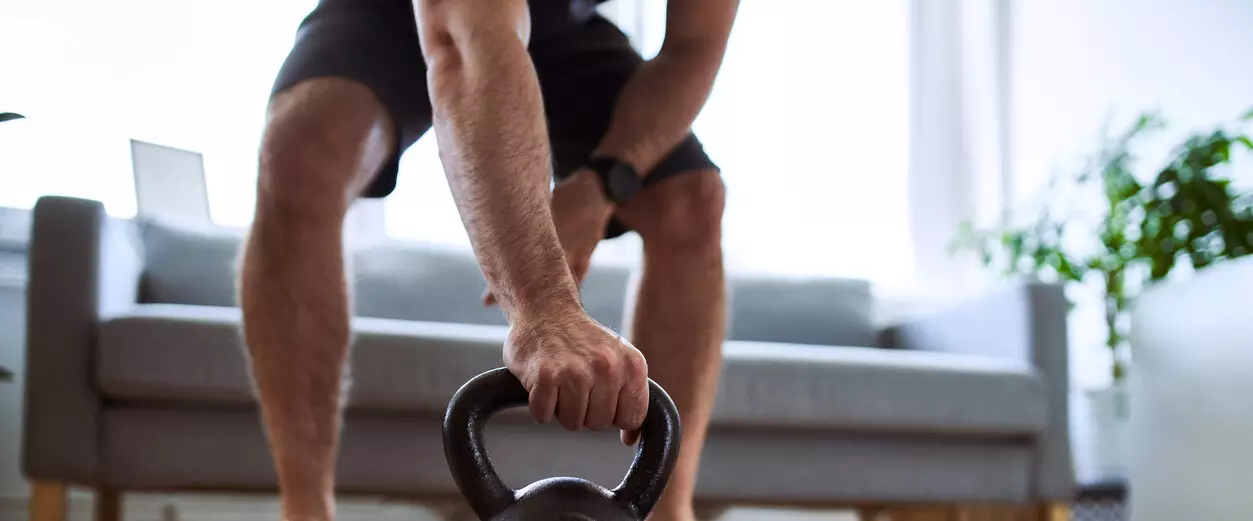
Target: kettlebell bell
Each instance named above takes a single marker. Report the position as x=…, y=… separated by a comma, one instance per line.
x=560, y=498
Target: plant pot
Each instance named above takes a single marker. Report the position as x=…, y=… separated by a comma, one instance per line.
x=1100, y=419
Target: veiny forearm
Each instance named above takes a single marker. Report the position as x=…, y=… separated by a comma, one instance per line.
x=488, y=117
x=656, y=108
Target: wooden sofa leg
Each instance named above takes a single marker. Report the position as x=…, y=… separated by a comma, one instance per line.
x=108, y=504
x=911, y=514
x=1053, y=512
x=48, y=501
x=870, y=514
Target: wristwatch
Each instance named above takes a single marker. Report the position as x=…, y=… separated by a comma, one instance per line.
x=620, y=179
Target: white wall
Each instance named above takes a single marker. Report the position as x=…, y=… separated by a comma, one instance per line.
x=1076, y=62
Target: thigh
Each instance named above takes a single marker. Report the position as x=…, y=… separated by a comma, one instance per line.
x=323, y=138
x=372, y=43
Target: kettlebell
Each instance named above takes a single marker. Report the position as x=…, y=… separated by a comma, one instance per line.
x=560, y=498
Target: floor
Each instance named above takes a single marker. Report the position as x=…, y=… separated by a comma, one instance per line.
x=152, y=507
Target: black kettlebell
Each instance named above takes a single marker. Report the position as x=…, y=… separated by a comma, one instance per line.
x=553, y=499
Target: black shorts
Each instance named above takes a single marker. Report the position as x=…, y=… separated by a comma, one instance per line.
x=582, y=60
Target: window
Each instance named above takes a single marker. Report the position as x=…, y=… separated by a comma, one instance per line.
x=89, y=76
x=809, y=120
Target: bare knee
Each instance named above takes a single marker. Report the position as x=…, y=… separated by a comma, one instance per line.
x=684, y=215
x=324, y=139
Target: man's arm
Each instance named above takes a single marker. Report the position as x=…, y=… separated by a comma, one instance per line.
x=656, y=108
x=489, y=121
x=488, y=118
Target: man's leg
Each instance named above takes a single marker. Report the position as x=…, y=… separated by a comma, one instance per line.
x=324, y=139
x=679, y=316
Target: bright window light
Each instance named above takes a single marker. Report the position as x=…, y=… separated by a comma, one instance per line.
x=192, y=74
x=809, y=120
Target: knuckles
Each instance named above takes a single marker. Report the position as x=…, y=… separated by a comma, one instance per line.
x=604, y=364
x=579, y=361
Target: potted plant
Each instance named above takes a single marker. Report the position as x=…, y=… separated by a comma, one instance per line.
x=1107, y=231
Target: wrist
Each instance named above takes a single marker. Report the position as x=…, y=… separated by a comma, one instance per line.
x=549, y=291
x=554, y=306
x=636, y=155
x=620, y=180
x=587, y=187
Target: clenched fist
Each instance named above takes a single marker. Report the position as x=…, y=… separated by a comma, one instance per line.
x=579, y=372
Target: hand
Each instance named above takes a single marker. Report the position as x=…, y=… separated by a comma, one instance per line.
x=580, y=213
x=579, y=372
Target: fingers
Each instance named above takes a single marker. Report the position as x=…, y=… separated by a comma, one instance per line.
x=613, y=391
x=580, y=374
x=603, y=404
x=543, y=396
x=633, y=398
x=573, y=400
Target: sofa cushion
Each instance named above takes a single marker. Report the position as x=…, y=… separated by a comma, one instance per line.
x=192, y=354
x=404, y=281
x=801, y=310
x=401, y=280
x=188, y=264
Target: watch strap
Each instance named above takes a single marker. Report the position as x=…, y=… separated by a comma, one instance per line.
x=604, y=166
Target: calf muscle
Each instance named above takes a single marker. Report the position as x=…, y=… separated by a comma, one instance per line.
x=324, y=140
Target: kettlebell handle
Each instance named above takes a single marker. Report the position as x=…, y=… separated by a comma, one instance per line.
x=497, y=390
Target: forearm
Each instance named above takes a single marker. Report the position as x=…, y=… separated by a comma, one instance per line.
x=488, y=118
x=657, y=106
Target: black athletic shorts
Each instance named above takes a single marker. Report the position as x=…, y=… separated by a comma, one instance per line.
x=582, y=60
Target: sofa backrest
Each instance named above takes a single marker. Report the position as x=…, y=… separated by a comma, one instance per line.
x=801, y=310
x=410, y=281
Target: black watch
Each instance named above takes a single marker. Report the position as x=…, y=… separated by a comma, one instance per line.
x=620, y=179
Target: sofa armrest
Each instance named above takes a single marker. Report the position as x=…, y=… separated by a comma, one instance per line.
x=1025, y=321
x=82, y=266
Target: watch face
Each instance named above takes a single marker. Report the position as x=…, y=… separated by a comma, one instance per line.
x=623, y=183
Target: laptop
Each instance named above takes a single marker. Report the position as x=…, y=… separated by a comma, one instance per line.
x=169, y=183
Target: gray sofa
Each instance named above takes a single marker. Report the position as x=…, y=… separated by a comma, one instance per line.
x=136, y=380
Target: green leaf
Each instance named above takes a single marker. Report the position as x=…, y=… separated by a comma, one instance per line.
x=1248, y=116
x=1244, y=140
x=9, y=116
